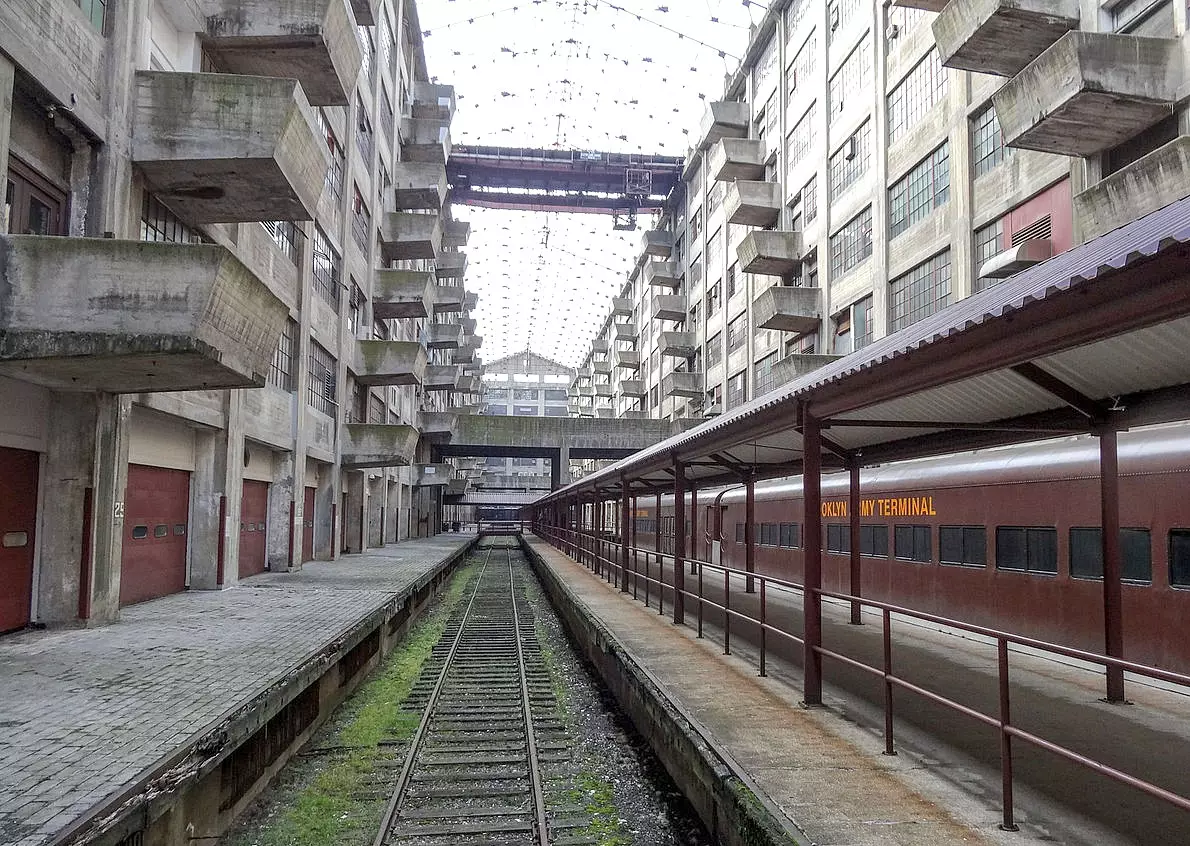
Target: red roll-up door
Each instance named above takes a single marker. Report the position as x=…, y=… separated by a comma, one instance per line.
x=18, y=514
x=156, y=522
x=254, y=507
x=308, y=526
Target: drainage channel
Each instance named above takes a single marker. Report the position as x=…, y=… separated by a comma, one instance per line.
x=496, y=737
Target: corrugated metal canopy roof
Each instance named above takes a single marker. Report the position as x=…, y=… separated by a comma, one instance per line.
x=1097, y=335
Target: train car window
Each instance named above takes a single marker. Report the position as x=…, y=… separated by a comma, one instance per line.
x=139, y=532
x=160, y=531
x=963, y=545
x=769, y=534
x=179, y=529
x=873, y=540
x=790, y=535
x=838, y=537
x=1179, y=557
x=1136, y=552
x=739, y=532
x=1032, y=549
x=913, y=543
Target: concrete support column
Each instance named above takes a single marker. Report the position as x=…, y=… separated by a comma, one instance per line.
x=112, y=418
x=853, y=510
x=626, y=519
x=393, y=511
x=356, y=510
x=326, y=511
x=7, y=75
x=695, y=552
x=212, y=514
x=374, y=536
x=812, y=549
x=282, y=546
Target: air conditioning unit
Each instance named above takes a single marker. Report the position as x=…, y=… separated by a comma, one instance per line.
x=852, y=148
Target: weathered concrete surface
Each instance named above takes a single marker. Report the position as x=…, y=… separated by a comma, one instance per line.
x=425, y=140
x=788, y=309
x=667, y=274
x=409, y=235
x=677, y=344
x=770, y=252
x=479, y=434
x=390, y=363
x=226, y=148
x=451, y=265
x=752, y=203
x=434, y=101
x=757, y=768
x=736, y=158
x=160, y=316
x=444, y=336
x=419, y=185
x=398, y=294
x=455, y=233
x=105, y=726
x=442, y=377
x=312, y=41
x=683, y=384
x=722, y=119
x=1090, y=91
x=1001, y=36
x=378, y=445
x=449, y=299
x=796, y=365
x=1150, y=183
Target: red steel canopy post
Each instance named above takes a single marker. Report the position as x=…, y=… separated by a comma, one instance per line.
x=679, y=541
x=1113, y=618
x=812, y=546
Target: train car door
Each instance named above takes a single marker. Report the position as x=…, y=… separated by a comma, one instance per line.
x=254, y=506
x=18, y=514
x=157, y=509
x=308, y=526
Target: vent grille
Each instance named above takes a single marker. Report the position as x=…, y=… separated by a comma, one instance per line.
x=1039, y=229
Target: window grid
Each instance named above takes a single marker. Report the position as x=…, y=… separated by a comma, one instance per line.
x=987, y=141
x=367, y=51
x=919, y=293
x=862, y=322
x=987, y=244
x=387, y=118
x=158, y=223
x=328, y=269
x=737, y=387
x=1031, y=549
x=281, y=370
x=96, y=12
x=963, y=545
x=904, y=19
x=850, y=161
x=850, y=79
x=852, y=244
x=915, y=195
x=838, y=14
x=321, y=390
x=287, y=236
x=361, y=221
x=764, y=379
x=803, y=66
x=365, y=140
x=334, y=174
x=714, y=298
x=810, y=200
x=908, y=103
x=801, y=138
x=715, y=349
x=737, y=333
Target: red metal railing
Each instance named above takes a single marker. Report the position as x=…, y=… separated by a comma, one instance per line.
x=602, y=555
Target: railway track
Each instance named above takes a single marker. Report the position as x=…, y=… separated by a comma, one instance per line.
x=490, y=754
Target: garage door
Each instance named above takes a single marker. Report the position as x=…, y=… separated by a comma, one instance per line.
x=157, y=505
x=18, y=513
x=253, y=510
x=308, y=526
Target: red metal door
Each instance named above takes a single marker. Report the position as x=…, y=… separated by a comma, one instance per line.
x=254, y=507
x=18, y=514
x=157, y=507
x=308, y=526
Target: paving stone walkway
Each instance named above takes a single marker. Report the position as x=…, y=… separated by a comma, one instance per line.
x=85, y=712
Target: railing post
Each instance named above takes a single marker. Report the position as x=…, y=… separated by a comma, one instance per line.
x=1008, y=823
x=763, y=632
x=694, y=551
x=700, y=593
x=812, y=548
x=889, y=748
x=749, y=533
x=726, y=611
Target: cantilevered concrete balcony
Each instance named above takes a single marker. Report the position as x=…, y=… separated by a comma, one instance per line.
x=633, y=387
x=468, y=324
x=444, y=336
x=736, y=158
x=425, y=140
x=470, y=301
x=723, y=119
x=669, y=307
x=770, y=252
x=628, y=359
x=469, y=384
x=603, y=389
x=400, y=294
x=419, y=185
x=753, y=203
x=626, y=332
x=605, y=412
x=133, y=316
x=433, y=101
x=448, y=299
x=409, y=235
x=797, y=365
x=457, y=486
x=600, y=345
x=312, y=41
x=1089, y=92
x=664, y=274
x=430, y=475
x=390, y=363
x=657, y=243
x=225, y=148
x=450, y=265
x=438, y=427
x=465, y=354
x=677, y=344
x=621, y=307
x=455, y=233
x=378, y=445
x=788, y=309
x=442, y=377
x=603, y=366
x=1001, y=36
x=1151, y=182
x=689, y=385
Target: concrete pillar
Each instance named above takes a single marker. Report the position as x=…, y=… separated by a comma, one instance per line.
x=392, y=511
x=284, y=545
x=7, y=74
x=209, y=532
x=326, y=527
x=113, y=414
x=374, y=536
x=356, y=509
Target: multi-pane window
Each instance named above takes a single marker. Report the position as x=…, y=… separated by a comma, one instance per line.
x=1136, y=554
x=915, y=195
x=387, y=118
x=367, y=48
x=737, y=333
x=810, y=200
x=286, y=236
x=839, y=13
x=766, y=66
x=355, y=309
x=281, y=370
x=361, y=221
x=850, y=80
x=861, y=318
x=695, y=227
x=737, y=387
x=764, y=380
x=158, y=223
x=732, y=279
x=388, y=44
x=328, y=268
x=850, y=161
x=795, y=13
x=377, y=411
x=802, y=67
x=334, y=174
x=1032, y=549
x=715, y=252
x=789, y=535
x=987, y=244
x=714, y=197
x=902, y=20
x=321, y=390
x=919, y=293
x=714, y=295
x=987, y=141
x=96, y=12
x=714, y=349
x=1179, y=557
x=873, y=540
x=913, y=543
x=801, y=137
x=852, y=244
x=365, y=139
x=963, y=545
x=908, y=103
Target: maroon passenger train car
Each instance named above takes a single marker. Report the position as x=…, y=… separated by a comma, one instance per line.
x=1007, y=538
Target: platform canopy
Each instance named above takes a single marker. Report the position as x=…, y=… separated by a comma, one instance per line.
x=1094, y=339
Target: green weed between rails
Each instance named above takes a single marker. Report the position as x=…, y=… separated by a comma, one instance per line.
x=339, y=805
